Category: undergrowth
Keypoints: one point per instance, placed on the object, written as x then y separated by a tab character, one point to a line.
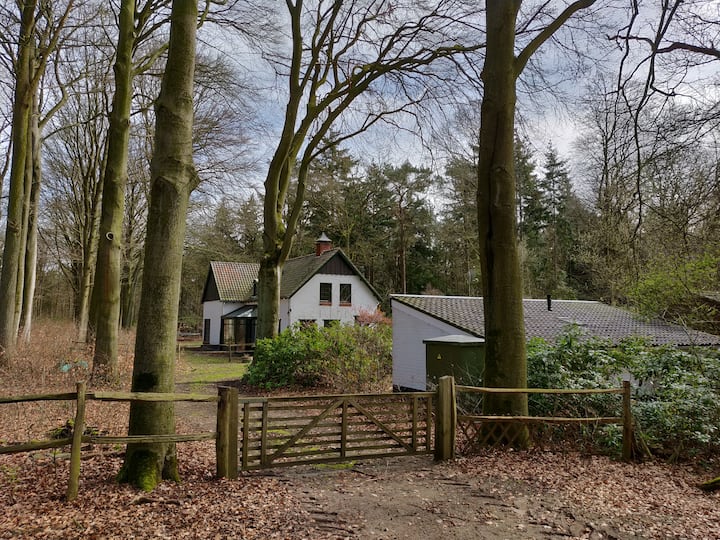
345	358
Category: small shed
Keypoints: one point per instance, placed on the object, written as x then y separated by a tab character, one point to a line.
460	356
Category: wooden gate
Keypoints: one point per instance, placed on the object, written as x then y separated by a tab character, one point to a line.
322	429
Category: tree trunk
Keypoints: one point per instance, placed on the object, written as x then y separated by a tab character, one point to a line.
32	232
13	228
27	192
505	362
173	179
268	297
109	257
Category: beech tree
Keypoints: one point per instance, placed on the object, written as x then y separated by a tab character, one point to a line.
30	64
134	26
340	53
173	179
505	358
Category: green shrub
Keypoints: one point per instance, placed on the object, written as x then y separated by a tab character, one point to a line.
347	358
676	393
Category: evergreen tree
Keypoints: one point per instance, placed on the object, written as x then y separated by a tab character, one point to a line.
458	256
556	191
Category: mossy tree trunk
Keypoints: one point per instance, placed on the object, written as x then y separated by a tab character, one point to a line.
173	179
505	362
31	250
505	354
14	232
109	256
29	66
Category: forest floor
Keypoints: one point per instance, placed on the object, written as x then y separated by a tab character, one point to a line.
493	495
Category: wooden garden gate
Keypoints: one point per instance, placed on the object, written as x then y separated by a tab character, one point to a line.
281	431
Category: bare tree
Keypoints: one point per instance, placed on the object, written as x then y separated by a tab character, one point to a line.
173	179
505	358
343	53
135	25
30	64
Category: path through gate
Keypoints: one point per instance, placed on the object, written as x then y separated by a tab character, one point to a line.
281	431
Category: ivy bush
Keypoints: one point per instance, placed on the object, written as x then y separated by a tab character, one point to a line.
676	393
342	357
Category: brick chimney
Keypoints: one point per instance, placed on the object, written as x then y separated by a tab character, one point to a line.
322	245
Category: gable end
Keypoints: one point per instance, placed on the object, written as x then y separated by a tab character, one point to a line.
337	266
210	291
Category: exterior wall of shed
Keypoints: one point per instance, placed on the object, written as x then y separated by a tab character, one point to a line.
410	328
305	303
214	311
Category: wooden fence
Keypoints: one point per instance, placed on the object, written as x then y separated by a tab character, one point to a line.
282	431
503	424
79	438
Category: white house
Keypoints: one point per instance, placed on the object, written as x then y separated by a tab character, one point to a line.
324	287
417	318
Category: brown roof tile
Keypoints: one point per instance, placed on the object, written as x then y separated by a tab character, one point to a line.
234	280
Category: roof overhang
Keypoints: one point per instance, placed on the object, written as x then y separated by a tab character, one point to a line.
244	312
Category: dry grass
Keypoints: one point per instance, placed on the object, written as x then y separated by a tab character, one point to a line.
32	485
53	363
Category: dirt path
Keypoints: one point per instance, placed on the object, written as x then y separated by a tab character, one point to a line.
416	498
413	497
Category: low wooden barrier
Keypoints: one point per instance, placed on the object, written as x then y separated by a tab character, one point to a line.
313	429
225	437
625	420
285	431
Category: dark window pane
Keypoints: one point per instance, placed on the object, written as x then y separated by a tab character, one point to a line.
326	293
345	293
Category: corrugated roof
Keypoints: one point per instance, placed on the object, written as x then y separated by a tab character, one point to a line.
593	318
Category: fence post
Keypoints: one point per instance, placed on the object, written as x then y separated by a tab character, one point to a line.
445	419
226	443
78	429
627	423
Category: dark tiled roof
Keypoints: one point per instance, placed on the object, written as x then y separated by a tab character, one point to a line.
593	318
300	269
234	280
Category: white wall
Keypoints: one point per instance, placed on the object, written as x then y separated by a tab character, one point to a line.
305	303
214	311
410	328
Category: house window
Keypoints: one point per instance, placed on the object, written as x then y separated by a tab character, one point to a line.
228	334
345	294
305	323
326	293
330	322
206	331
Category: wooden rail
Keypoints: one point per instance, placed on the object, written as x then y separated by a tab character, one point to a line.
280	431
284	431
225	437
625	420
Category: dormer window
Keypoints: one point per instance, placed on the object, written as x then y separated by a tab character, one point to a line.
254	288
